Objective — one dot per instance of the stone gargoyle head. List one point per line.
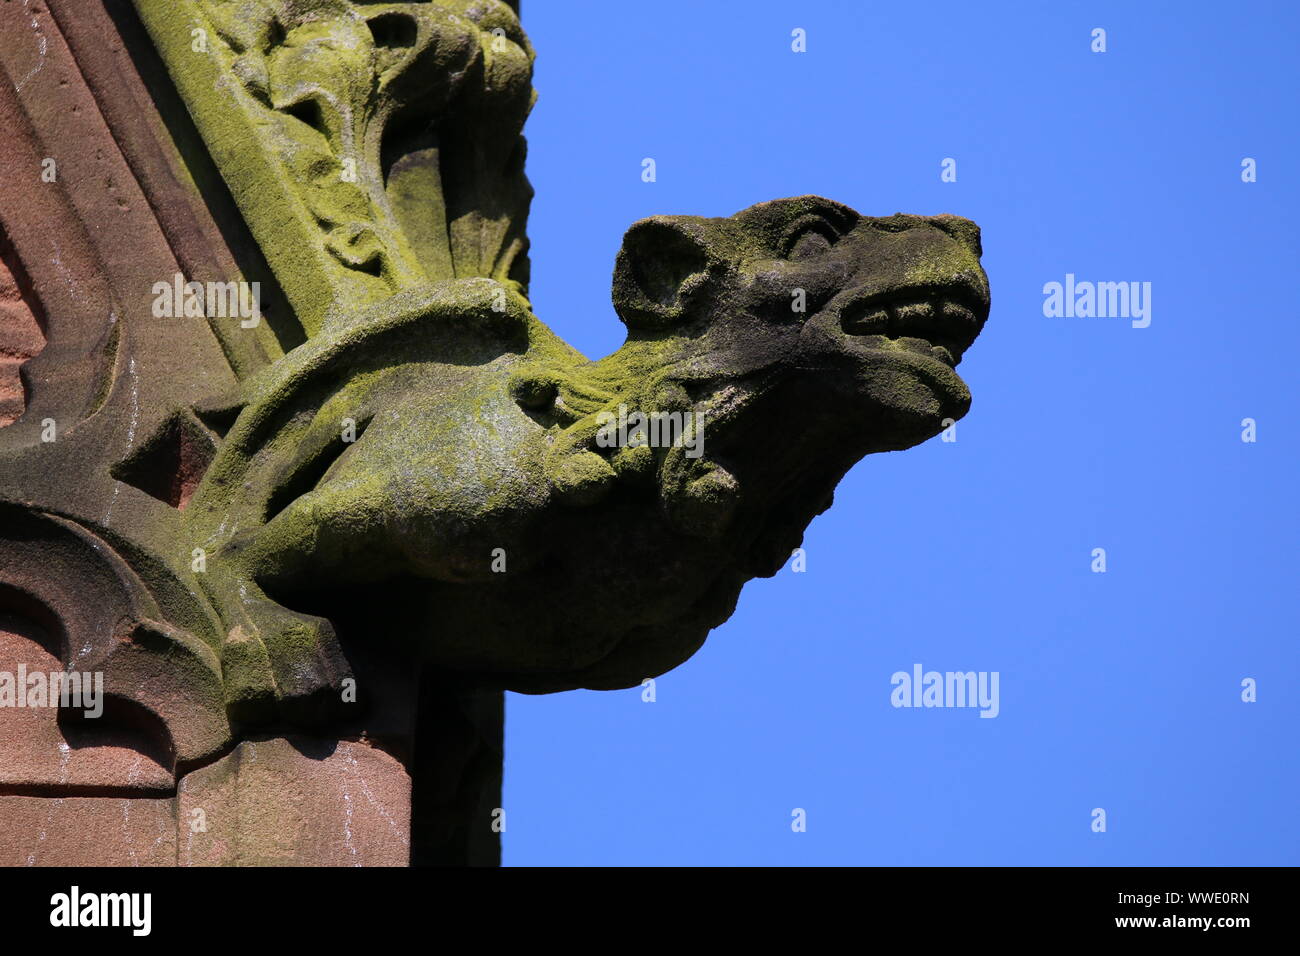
(548, 522)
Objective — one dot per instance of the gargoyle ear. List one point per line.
(663, 265)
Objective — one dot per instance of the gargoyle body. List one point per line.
(447, 450)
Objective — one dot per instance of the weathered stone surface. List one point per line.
(271, 802)
(297, 802)
(37, 754)
(20, 334)
(87, 831)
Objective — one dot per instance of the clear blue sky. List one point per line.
(1119, 690)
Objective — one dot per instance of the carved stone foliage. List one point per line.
(371, 146)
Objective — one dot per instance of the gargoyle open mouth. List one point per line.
(939, 322)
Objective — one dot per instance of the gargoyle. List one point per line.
(443, 450)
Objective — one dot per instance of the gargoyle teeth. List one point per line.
(879, 322)
(909, 316)
(956, 312)
(946, 326)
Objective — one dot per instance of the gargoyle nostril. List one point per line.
(943, 317)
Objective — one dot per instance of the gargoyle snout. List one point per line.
(963, 230)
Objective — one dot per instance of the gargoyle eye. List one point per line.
(809, 240)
